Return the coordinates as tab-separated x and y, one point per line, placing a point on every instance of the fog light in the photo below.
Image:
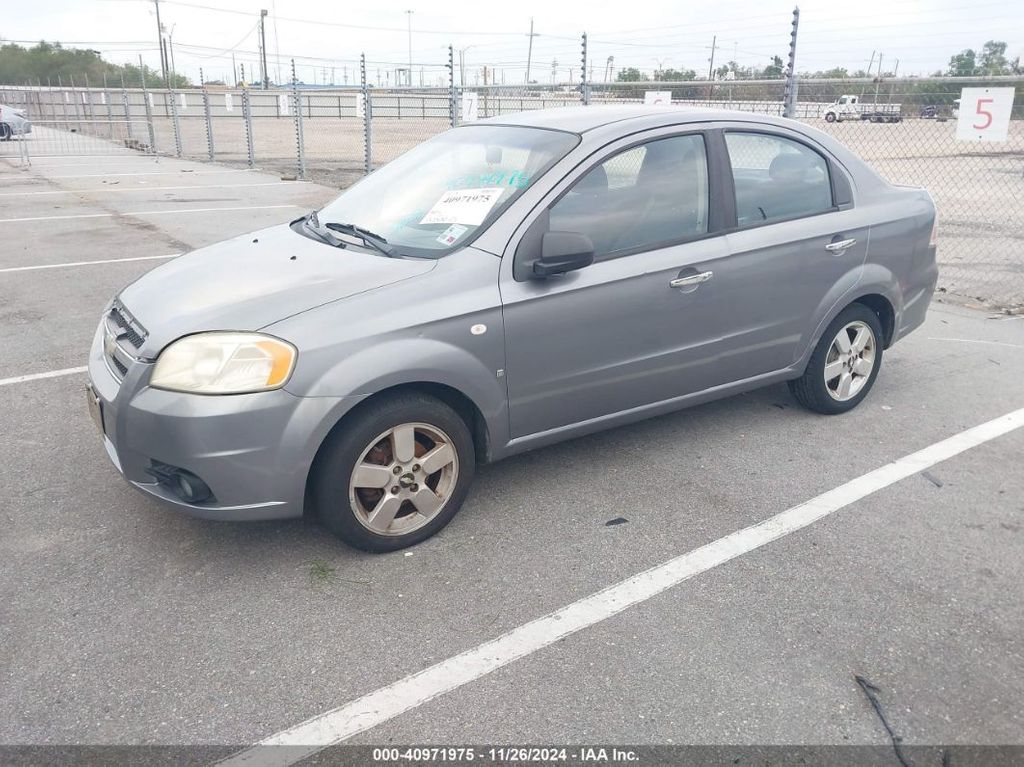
184	484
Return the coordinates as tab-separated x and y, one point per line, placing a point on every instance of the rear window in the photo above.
776	178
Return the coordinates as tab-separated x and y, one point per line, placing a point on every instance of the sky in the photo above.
326	37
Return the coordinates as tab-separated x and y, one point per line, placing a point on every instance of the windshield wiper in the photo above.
312	224
375	241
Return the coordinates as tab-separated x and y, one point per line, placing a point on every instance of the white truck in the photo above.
849	107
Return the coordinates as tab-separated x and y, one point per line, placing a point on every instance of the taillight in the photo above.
934	240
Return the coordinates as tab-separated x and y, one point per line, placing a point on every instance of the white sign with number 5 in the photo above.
984	114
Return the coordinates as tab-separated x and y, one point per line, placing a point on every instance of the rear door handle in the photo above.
841	246
691	279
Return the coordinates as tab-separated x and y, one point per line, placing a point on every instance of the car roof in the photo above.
580	119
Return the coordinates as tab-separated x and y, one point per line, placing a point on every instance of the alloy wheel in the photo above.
850	361
403	479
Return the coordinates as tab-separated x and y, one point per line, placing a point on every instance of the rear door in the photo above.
797	247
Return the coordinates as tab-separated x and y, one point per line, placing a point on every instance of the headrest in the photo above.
790	167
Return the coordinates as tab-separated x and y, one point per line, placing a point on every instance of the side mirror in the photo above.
562	252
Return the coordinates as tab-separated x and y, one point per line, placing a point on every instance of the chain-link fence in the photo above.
905	128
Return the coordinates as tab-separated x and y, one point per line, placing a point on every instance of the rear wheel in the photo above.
395	474
830	117
844	364
5	132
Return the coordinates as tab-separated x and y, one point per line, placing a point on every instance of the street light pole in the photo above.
408	74
263	49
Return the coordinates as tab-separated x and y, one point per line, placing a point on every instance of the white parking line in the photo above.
36	267
140	173
39	376
979	341
141	213
148	188
388	702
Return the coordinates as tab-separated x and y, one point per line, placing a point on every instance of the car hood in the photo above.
252	281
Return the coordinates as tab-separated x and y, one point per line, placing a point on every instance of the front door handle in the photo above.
840	247
691	279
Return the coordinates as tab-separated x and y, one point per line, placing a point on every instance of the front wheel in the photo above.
395	473
844	364
5	132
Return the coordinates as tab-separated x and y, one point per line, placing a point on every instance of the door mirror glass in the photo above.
562	252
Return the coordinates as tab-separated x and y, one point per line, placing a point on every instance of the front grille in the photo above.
123	336
128	329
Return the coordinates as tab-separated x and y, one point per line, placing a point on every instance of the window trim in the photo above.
718	202
831	166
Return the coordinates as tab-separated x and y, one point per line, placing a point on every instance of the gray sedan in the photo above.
506	285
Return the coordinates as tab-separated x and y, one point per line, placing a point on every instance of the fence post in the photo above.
206	114
453	107
74	98
127	107
174	121
584	85
149	114
299	137
110	107
89	110
789	94
367	117
247	115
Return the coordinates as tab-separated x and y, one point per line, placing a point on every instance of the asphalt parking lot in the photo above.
122	622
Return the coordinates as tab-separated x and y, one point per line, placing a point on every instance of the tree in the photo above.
675	75
963	64
631	75
774	70
993	59
50	62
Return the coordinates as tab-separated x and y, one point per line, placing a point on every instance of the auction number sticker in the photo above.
984	114
463	206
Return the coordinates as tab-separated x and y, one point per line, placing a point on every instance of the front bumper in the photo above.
253	451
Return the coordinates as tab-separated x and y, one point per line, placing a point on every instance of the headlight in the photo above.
224	363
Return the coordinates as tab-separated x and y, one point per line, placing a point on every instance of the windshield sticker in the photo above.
450	235
516	179
463	206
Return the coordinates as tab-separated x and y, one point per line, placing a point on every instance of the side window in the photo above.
776	178
649	194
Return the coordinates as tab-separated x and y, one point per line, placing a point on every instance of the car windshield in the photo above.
435	197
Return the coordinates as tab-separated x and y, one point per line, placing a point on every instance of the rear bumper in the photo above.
253	451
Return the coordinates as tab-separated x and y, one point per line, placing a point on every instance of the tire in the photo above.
5	132
399	492
814	392
830	117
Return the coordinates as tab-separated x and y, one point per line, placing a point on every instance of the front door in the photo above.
641	324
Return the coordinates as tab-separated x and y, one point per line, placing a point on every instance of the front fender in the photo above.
415	360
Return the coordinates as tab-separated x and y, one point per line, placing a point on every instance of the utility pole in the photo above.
163	53
409	72
160	41
789	92
234	71
263	50
529	52
711	67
